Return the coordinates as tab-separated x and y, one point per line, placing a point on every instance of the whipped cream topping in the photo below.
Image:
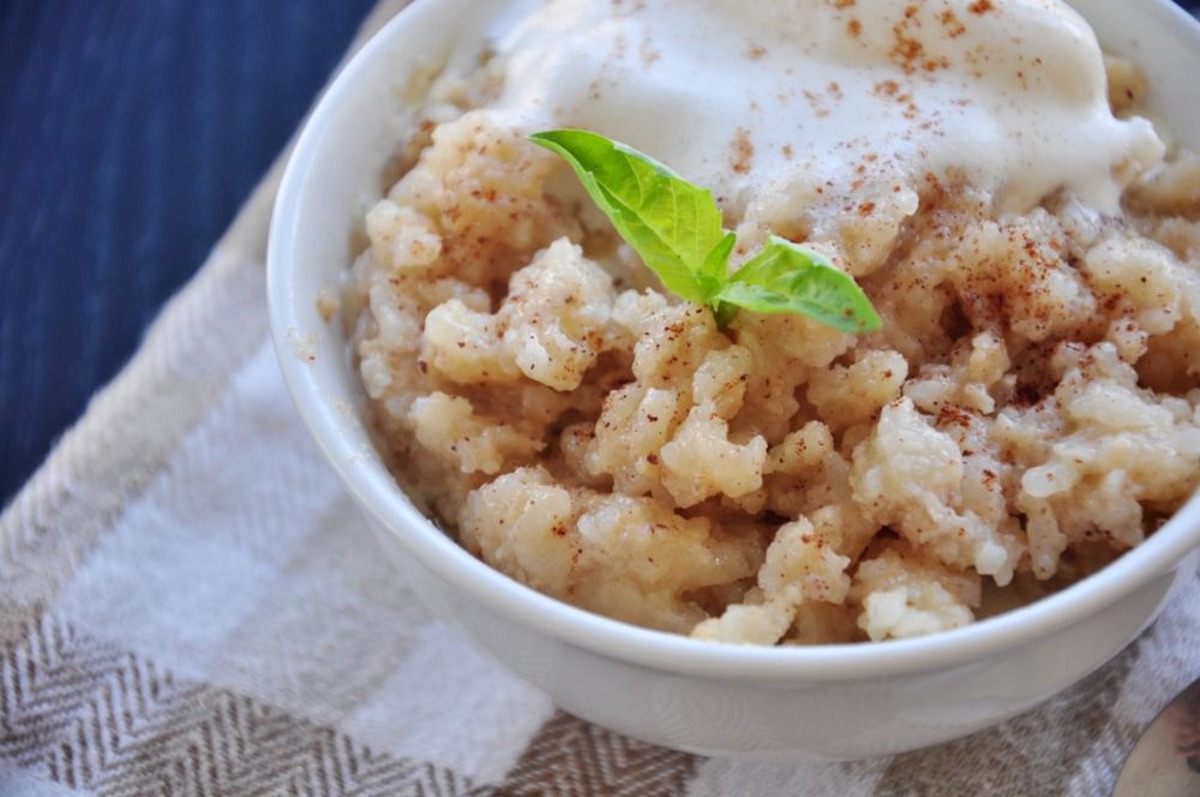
863	97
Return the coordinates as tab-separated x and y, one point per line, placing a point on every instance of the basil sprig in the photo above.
676	228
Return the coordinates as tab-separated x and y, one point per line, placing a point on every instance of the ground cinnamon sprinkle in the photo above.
907	51
981	7
817	104
954	28
743	151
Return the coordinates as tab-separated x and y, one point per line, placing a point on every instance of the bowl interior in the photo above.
334	178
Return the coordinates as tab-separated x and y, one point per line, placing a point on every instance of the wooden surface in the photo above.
130	133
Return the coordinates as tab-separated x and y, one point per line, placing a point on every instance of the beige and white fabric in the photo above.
190	605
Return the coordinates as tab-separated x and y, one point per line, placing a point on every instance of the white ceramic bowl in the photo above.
843	701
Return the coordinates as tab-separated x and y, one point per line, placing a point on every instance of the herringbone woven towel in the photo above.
190	606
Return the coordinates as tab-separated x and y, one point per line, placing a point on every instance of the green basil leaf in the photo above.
716	262
676	228
672	224
786	278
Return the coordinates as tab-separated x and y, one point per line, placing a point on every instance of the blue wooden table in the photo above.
130	132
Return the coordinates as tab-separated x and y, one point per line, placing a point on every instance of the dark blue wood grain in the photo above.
130	131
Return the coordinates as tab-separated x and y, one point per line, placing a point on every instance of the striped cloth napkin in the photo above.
190	604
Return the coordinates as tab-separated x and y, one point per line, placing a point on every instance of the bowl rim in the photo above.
377	492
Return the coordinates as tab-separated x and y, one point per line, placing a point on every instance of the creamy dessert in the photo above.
1026	412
